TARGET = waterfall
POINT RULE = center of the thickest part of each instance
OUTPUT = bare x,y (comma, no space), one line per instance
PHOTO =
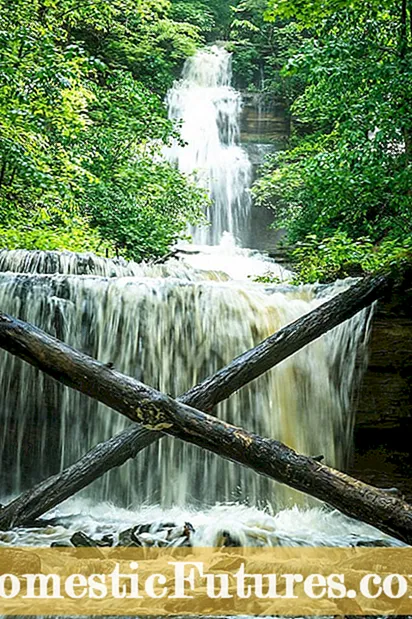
170,331
171,326
209,109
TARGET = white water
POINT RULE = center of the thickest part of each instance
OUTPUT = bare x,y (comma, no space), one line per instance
171,326
248,525
209,109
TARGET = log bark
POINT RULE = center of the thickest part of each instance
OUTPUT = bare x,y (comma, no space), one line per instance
161,413
113,453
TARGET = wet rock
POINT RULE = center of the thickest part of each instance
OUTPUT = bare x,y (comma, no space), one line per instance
143,528
7,536
188,529
230,541
142,535
376,543
41,523
107,541
167,525
180,535
81,540
157,540
165,534
129,538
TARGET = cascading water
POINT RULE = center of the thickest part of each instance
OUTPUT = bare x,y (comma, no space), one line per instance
169,332
209,109
171,326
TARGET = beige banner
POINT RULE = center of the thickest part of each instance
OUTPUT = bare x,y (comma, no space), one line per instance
206,581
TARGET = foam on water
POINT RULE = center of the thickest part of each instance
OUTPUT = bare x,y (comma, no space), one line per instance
238,263
247,525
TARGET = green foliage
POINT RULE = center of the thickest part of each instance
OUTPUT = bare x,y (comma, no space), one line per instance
260,49
212,17
76,237
49,229
81,109
196,13
325,260
348,172
338,256
42,109
145,210
268,278
329,183
313,12
142,39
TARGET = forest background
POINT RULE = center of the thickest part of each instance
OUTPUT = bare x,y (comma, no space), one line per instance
83,124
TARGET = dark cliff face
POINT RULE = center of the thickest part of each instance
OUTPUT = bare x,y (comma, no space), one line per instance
264,120
383,427
265,129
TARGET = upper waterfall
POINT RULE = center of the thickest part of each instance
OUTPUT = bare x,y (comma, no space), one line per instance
209,110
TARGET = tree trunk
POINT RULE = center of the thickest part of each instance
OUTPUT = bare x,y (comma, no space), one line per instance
114,452
160,413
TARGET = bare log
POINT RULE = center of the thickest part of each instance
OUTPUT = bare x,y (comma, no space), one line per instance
113,453
160,413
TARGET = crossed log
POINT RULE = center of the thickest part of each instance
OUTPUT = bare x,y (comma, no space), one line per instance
157,413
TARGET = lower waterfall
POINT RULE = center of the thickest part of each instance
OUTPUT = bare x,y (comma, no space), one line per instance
169,327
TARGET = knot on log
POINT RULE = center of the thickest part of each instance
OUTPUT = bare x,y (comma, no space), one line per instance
151,415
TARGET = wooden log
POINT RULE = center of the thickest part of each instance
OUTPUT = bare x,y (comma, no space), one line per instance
161,413
113,453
